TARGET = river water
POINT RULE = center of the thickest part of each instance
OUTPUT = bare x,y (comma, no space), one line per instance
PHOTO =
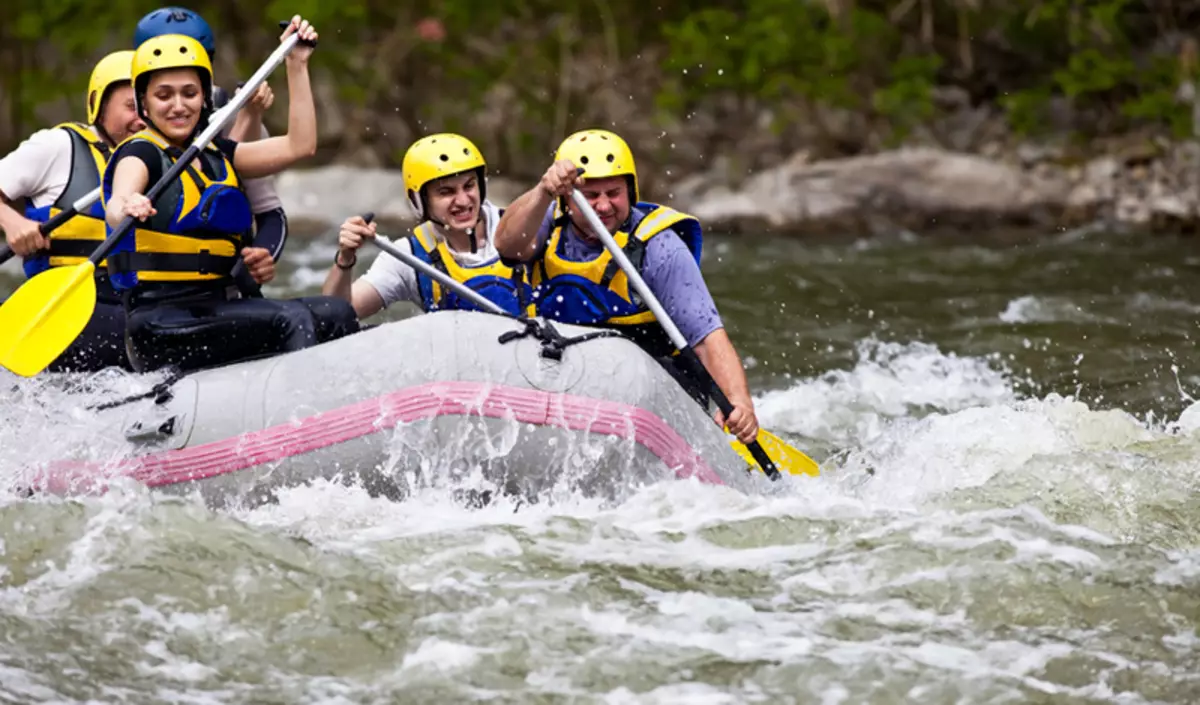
1008,513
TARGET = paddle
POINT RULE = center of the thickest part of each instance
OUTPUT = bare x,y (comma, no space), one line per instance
50,310
431,272
791,459
686,352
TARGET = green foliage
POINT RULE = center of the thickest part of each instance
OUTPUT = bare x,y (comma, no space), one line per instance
880,58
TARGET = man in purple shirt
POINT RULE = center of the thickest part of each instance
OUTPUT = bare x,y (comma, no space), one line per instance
576,280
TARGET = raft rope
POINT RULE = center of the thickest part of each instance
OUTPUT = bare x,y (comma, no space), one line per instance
161,393
553,342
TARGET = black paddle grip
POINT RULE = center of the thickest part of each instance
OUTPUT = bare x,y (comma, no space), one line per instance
697,367
283,25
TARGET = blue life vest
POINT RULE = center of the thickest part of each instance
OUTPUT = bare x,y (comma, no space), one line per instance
199,229
597,292
497,282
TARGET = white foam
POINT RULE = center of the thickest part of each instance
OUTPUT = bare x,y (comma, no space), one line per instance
889,380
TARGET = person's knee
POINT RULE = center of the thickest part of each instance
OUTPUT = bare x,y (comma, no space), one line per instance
142,345
334,317
293,316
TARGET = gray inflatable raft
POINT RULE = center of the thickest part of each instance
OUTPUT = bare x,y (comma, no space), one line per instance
433,400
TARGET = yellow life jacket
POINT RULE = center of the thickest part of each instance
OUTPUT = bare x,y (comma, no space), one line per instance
199,229
72,242
503,285
596,292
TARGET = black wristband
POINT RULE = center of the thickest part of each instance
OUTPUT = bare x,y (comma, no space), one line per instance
337,260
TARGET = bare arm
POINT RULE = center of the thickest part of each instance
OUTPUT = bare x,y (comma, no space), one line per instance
248,125
722,362
130,179
516,233
365,299
274,154
361,295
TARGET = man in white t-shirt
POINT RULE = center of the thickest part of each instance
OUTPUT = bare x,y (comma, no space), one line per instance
54,168
445,181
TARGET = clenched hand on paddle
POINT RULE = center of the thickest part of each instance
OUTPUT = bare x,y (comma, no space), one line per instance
41,319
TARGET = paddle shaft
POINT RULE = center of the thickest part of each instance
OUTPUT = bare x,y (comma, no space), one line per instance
431,272
686,352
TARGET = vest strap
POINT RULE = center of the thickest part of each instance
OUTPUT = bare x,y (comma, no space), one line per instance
71,248
635,250
200,263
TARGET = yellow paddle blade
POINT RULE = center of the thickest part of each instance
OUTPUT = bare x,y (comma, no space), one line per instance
44,316
787,459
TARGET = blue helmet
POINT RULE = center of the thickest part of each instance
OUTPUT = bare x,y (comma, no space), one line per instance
174,20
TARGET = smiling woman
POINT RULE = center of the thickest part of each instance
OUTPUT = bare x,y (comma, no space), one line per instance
175,268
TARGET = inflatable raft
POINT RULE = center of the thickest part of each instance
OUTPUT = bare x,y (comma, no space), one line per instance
455,398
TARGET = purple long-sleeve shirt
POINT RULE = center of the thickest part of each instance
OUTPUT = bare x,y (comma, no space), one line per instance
669,270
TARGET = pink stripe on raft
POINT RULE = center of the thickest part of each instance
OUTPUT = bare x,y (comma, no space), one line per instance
366,417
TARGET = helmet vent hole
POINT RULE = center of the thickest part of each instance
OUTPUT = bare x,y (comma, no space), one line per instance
466,151
583,159
158,52
445,157
182,50
611,158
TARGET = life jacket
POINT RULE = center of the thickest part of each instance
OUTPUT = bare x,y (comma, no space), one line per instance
199,229
75,240
597,292
505,286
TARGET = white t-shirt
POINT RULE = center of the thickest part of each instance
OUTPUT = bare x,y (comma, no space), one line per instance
38,169
396,281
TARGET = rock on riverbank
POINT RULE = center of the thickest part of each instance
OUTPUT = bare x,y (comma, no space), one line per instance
1147,184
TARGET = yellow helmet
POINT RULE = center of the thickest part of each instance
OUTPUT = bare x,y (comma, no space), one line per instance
170,51
115,68
602,154
435,157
